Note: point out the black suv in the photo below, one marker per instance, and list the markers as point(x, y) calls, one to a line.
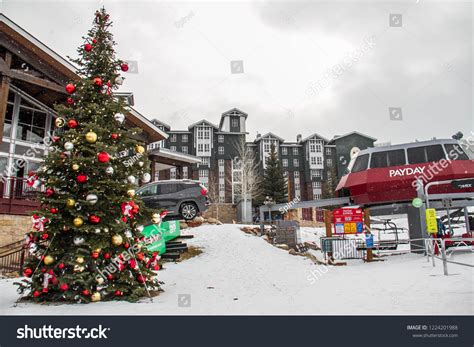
point(185, 198)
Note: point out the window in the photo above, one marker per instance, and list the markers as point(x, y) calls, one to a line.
point(425, 154)
point(295, 150)
point(147, 191)
point(221, 174)
point(205, 161)
point(235, 123)
point(296, 162)
point(315, 173)
point(296, 174)
point(184, 138)
point(7, 129)
point(317, 196)
point(313, 160)
point(455, 152)
point(220, 138)
point(184, 149)
point(173, 138)
point(173, 148)
point(284, 151)
point(316, 184)
point(319, 160)
point(318, 148)
point(222, 187)
point(329, 162)
point(388, 158)
point(206, 147)
point(185, 172)
point(285, 173)
point(203, 173)
point(220, 163)
point(31, 123)
point(167, 188)
point(221, 198)
point(200, 147)
point(285, 162)
point(361, 163)
point(328, 151)
point(221, 150)
point(173, 173)
point(266, 147)
point(312, 147)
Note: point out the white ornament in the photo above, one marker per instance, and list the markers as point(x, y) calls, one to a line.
point(146, 177)
point(140, 163)
point(109, 170)
point(68, 146)
point(91, 199)
point(78, 240)
point(140, 228)
point(128, 234)
point(119, 117)
point(36, 184)
point(119, 80)
point(131, 179)
point(97, 230)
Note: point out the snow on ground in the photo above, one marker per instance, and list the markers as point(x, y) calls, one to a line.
point(242, 274)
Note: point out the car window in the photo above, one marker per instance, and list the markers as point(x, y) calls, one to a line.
point(455, 152)
point(146, 191)
point(425, 154)
point(167, 188)
point(387, 158)
point(361, 163)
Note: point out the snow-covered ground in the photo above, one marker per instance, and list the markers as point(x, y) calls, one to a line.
point(242, 274)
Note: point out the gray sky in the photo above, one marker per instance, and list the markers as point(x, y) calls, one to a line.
point(324, 67)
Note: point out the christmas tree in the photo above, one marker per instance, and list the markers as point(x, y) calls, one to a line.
point(86, 240)
point(274, 182)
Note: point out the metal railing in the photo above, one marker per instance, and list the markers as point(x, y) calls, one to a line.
point(12, 257)
point(17, 188)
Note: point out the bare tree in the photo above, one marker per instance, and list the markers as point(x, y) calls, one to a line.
point(246, 169)
point(213, 193)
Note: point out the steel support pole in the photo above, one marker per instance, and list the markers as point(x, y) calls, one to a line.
point(443, 255)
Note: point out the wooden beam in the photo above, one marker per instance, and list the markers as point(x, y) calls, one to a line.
point(4, 88)
point(26, 77)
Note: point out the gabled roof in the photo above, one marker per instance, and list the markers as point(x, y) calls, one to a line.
point(154, 121)
point(313, 135)
point(268, 135)
point(203, 121)
point(353, 133)
point(235, 110)
point(14, 32)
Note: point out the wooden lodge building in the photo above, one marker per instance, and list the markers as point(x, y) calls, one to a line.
point(32, 80)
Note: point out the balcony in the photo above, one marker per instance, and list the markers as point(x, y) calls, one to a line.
point(17, 197)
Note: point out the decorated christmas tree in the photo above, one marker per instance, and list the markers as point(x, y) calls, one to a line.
point(86, 238)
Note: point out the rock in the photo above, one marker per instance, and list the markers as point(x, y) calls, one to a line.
point(292, 252)
point(265, 237)
point(212, 221)
point(283, 246)
point(199, 219)
point(219, 222)
point(183, 225)
point(312, 245)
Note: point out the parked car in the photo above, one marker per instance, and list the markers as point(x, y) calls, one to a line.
point(185, 198)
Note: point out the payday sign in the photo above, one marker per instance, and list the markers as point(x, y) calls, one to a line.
point(408, 171)
point(348, 221)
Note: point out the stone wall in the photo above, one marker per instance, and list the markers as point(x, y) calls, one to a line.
point(226, 213)
point(297, 215)
point(13, 228)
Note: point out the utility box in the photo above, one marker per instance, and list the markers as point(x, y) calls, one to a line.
point(287, 232)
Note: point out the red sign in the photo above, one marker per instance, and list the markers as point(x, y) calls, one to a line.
point(348, 220)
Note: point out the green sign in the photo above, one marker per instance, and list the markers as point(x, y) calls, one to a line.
point(417, 202)
point(154, 240)
point(170, 230)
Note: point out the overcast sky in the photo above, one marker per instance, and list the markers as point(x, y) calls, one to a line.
point(308, 67)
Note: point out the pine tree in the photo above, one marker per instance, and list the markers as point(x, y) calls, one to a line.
point(329, 186)
point(86, 240)
point(274, 182)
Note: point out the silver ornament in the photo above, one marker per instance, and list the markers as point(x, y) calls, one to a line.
point(78, 240)
point(68, 146)
point(128, 234)
point(97, 230)
point(140, 163)
point(91, 199)
point(146, 177)
point(119, 117)
point(119, 80)
point(140, 228)
point(109, 170)
point(131, 179)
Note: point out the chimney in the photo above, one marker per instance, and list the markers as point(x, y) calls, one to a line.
point(259, 135)
point(299, 138)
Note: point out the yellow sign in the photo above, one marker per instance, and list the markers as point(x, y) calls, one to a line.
point(431, 224)
point(350, 228)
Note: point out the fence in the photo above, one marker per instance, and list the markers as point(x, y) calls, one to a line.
point(12, 257)
point(431, 244)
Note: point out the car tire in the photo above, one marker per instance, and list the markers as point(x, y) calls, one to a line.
point(188, 210)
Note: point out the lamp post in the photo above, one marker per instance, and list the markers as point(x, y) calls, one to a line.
point(269, 202)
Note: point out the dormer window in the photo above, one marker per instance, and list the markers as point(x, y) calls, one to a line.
point(235, 123)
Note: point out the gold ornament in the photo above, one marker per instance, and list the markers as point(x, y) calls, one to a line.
point(70, 203)
point(99, 279)
point(139, 149)
point(59, 122)
point(80, 260)
point(91, 137)
point(95, 297)
point(75, 167)
point(131, 192)
point(78, 221)
point(48, 260)
point(97, 250)
point(78, 268)
point(117, 240)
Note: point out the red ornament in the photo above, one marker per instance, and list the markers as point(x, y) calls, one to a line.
point(106, 256)
point(45, 290)
point(126, 245)
point(70, 101)
point(49, 192)
point(81, 178)
point(85, 292)
point(64, 287)
point(140, 256)
point(110, 277)
point(95, 255)
point(61, 266)
point(98, 81)
point(44, 236)
point(103, 157)
point(36, 294)
point(27, 272)
point(53, 210)
point(114, 136)
point(124, 67)
point(141, 279)
point(94, 41)
point(93, 219)
point(88, 47)
point(118, 293)
point(72, 123)
point(70, 88)
point(43, 270)
point(156, 267)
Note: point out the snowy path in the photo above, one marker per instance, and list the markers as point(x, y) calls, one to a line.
point(248, 276)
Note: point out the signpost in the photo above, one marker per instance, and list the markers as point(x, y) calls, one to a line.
point(348, 221)
point(431, 223)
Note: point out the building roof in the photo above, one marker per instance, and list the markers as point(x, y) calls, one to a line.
point(203, 121)
point(268, 135)
point(336, 137)
point(46, 55)
point(313, 135)
point(179, 156)
point(236, 110)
